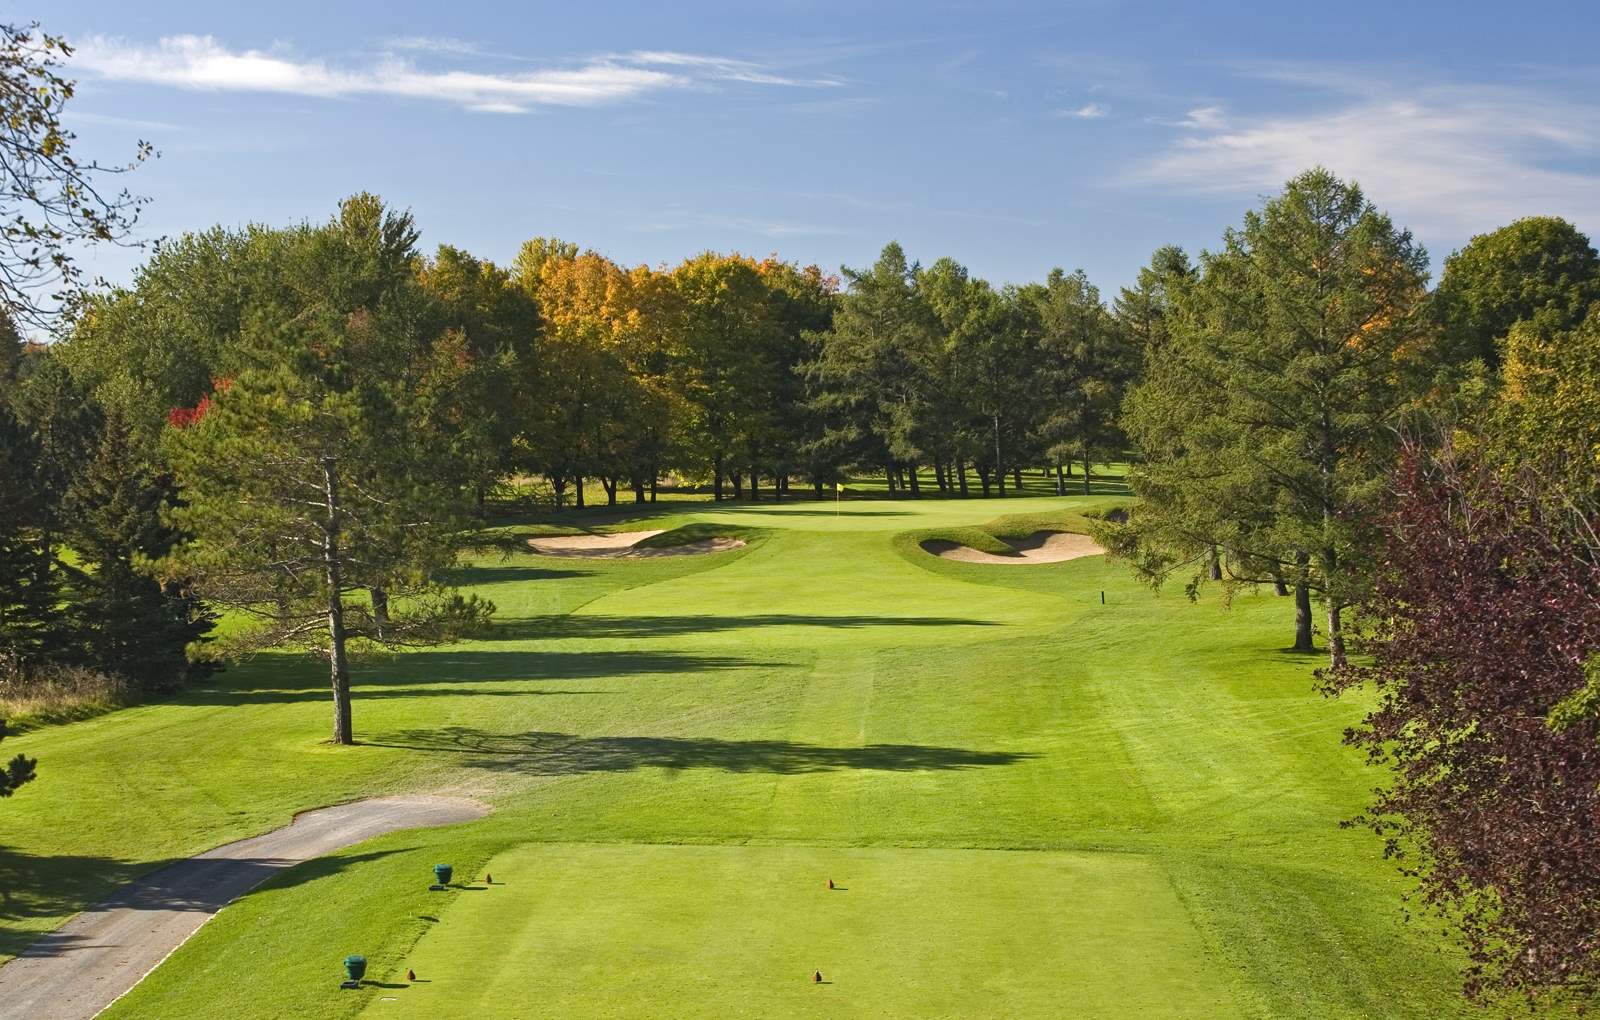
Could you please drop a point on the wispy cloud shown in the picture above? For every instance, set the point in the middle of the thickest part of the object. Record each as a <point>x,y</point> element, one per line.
<point>1088,111</point>
<point>431,44</point>
<point>75,116</point>
<point>1446,159</point>
<point>718,68</point>
<point>201,62</point>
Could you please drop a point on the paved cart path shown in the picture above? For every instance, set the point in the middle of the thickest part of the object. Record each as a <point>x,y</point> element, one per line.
<point>82,967</point>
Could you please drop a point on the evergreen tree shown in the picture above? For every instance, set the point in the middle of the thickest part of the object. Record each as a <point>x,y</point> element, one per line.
<point>313,504</point>
<point>1083,364</point>
<point>29,587</point>
<point>873,364</point>
<point>20,769</point>
<point>1271,420</point>
<point>128,622</point>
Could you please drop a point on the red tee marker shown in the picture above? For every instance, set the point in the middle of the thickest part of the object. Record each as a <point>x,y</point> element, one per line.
<point>816,978</point>
<point>830,883</point>
<point>488,879</point>
<point>411,975</point>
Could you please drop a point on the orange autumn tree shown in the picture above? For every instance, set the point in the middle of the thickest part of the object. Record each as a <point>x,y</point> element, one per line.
<point>605,408</point>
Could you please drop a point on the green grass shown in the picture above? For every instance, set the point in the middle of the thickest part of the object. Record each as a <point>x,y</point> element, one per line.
<point>1038,805</point>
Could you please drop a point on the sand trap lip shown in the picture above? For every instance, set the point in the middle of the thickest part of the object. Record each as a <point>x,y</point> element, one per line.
<point>625,544</point>
<point>1039,547</point>
<point>80,968</point>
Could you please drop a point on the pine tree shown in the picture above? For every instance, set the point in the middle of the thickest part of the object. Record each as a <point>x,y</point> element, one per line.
<point>20,769</point>
<point>129,622</point>
<point>308,486</point>
<point>29,588</point>
<point>1272,416</point>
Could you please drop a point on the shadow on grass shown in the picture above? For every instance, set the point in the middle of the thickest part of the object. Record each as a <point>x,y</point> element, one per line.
<point>785,511</point>
<point>559,754</point>
<point>397,677</point>
<point>472,577</point>
<point>46,887</point>
<point>600,626</point>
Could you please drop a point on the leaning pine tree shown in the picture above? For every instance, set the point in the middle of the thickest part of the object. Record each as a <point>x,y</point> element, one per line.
<point>312,520</point>
<point>313,508</point>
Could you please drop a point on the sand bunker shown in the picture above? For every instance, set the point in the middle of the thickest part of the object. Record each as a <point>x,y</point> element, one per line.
<point>1039,547</point>
<point>624,544</point>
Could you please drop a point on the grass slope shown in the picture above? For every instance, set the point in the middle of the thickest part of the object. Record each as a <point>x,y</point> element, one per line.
<point>1036,803</point>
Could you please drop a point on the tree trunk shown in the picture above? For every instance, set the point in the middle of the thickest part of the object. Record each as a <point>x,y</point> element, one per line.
<point>716,477</point>
<point>911,474</point>
<point>983,479</point>
<point>1279,588</point>
<point>609,482</point>
<point>1302,606</point>
<point>380,610</point>
<point>1061,481</point>
<point>1335,610</point>
<point>1016,476</point>
<point>889,474</point>
<point>559,484</point>
<point>577,491</point>
<point>1000,481</point>
<point>638,488</point>
<point>338,665</point>
<point>755,485</point>
<point>961,476</point>
<point>816,483</point>
<point>1086,474</point>
<point>999,464</point>
<point>738,484</point>
<point>654,476</point>
<point>1214,565</point>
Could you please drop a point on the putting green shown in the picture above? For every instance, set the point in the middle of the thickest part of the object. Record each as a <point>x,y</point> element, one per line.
<point>1040,805</point>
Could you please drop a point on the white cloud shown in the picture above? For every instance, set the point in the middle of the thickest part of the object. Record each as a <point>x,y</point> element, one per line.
<point>718,68</point>
<point>432,44</point>
<point>1088,111</point>
<point>201,62</point>
<point>1446,160</point>
<point>1206,118</point>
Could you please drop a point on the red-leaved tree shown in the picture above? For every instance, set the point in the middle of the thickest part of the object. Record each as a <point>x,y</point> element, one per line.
<point>1485,633</point>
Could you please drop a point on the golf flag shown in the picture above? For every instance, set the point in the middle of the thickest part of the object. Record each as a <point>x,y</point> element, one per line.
<point>838,486</point>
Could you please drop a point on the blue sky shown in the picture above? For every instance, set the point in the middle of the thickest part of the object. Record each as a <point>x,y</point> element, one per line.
<point>1011,136</point>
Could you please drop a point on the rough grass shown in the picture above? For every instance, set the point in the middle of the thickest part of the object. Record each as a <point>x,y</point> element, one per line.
<point>1038,805</point>
<point>60,694</point>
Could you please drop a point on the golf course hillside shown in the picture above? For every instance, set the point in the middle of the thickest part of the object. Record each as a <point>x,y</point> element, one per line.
<point>813,771</point>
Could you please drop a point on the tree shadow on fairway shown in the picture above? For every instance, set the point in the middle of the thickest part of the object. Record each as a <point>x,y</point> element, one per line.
<point>601,626</point>
<point>561,754</point>
<point>472,577</point>
<point>786,512</point>
<point>50,887</point>
<point>397,677</point>
<point>35,887</point>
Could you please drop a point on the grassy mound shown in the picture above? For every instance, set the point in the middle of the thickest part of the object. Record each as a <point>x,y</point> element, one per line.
<point>988,537</point>
<point>698,531</point>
